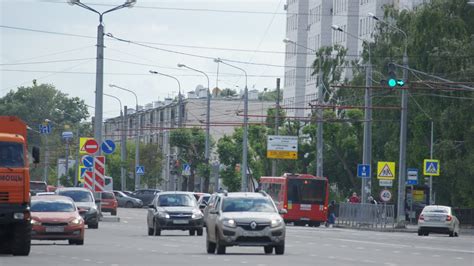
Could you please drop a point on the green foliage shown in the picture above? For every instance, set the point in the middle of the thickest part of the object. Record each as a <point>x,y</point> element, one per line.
<point>228,92</point>
<point>191,145</point>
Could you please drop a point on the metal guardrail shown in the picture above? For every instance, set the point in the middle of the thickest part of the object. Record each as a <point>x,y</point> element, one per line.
<point>366,215</point>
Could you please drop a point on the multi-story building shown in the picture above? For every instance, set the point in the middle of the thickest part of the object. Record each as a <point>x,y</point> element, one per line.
<point>155,122</point>
<point>309,26</point>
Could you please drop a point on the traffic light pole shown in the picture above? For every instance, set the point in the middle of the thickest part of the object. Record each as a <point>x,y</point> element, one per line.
<point>403,145</point>
<point>366,186</point>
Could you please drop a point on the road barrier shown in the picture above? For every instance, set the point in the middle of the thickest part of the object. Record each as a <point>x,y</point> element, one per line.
<point>366,215</point>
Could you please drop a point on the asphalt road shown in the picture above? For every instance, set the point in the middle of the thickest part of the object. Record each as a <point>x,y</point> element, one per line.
<point>127,243</point>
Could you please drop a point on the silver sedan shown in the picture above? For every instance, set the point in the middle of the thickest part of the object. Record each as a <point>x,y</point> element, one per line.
<point>438,219</point>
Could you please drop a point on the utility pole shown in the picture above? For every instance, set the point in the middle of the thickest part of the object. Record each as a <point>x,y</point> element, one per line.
<point>277,122</point>
<point>123,149</point>
<point>76,172</point>
<point>137,148</point>
<point>367,151</point>
<point>403,145</point>
<point>431,157</point>
<point>319,118</point>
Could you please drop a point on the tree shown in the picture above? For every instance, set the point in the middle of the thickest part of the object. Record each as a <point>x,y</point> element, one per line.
<point>228,92</point>
<point>191,142</point>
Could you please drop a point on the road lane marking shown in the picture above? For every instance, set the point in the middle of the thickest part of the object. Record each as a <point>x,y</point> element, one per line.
<point>396,251</point>
<point>459,258</point>
<point>360,248</point>
<point>403,246</point>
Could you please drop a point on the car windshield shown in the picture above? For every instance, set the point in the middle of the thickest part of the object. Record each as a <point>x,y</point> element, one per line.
<point>107,195</point>
<point>176,200</point>
<point>436,209</point>
<point>11,154</point>
<point>38,186</point>
<point>247,205</point>
<point>77,196</point>
<point>52,206</point>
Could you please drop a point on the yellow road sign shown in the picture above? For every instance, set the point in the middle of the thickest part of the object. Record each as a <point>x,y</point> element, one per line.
<point>82,142</point>
<point>291,155</point>
<point>386,170</point>
<point>431,167</point>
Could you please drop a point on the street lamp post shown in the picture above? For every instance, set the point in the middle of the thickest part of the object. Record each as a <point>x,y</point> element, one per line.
<point>403,130</point>
<point>137,137</point>
<point>208,115</point>
<point>172,181</point>
<point>243,170</point>
<point>319,113</point>
<point>99,90</point>
<point>122,144</point>
<point>366,185</point>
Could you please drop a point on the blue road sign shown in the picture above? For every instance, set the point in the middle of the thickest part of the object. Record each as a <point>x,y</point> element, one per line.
<point>45,128</point>
<point>140,170</point>
<point>363,170</point>
<point>108,146</point>
<point>88,161</point>
<point>412,176</point>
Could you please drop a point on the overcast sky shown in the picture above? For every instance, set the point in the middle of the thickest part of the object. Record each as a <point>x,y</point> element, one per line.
<point>164,24</point>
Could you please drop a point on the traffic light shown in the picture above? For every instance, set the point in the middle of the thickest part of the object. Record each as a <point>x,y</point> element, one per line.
<point>392,80</point>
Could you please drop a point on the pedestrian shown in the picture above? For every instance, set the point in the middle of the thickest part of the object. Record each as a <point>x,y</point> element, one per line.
<point>354,198</point>
<point>331,214</point>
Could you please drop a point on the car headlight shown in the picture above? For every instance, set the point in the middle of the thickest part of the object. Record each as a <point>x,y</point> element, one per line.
<point>163,215</point>
<point>275,222</point>
<point>76,221</point>
<point>35,222</point>
<point>229,223</point>
<point>197,214</point>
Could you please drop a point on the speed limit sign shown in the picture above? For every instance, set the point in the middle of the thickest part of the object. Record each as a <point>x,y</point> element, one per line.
<point>385,195</point>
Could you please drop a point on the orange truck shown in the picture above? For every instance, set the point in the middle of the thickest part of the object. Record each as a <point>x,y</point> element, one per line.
<point>15,221</point>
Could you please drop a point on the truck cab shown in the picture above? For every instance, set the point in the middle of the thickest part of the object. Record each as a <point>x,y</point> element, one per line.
<point>15,227</point>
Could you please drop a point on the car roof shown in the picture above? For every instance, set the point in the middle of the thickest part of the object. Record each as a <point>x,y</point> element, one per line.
<point>176,192</point>
<point>73,189</point>
<point>51,198</point>
<point>245,195</point>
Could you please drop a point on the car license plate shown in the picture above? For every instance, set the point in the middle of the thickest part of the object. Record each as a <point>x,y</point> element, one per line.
<point>250,233</point>
<point>55,229</point>
<point>180,221</point>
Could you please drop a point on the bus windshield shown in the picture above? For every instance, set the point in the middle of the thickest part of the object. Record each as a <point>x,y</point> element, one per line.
<point>306,191</point>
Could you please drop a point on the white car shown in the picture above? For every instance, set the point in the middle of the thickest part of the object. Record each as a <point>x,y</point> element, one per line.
<point>438,219</point>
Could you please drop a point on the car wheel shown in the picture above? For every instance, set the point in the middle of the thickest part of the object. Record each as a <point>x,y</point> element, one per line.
<point>220,248</point>
<point>210,246</point>
<point>199,231</point>
<point>156,230</point>
<point>280,249</point>
<point>426,233</point>
<point>114,213</point>
<point>76,242</point>
<point>22,242</point>
<point>150,231</point>
<point>192,232</point>
<point>420,233</point>
<point>456,234</point>
<point>129,204</point>
<point>451,234</point>
<point>93,226</point>
<point>268,249</point>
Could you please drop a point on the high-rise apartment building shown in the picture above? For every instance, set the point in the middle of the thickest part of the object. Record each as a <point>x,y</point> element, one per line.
<point>309,26</point>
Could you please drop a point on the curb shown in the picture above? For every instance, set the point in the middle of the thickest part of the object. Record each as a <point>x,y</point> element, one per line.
<point>467,231</point>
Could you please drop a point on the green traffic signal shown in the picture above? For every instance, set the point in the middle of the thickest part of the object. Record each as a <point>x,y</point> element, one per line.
<point>400,83</point>
<point>392,82</point>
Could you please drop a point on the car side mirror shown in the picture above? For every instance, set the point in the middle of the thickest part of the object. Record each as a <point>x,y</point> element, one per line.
<point>97,201</point>
<point>36,155</point>
<point>282,211</point>
<point>213,211</point>
<point>202,205</point>
<point>151,206</point>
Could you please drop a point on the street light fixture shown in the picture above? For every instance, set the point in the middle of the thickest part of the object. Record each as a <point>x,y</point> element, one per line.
<point>243,170</point>
<point>208,113</point>
<point>367,143</point>
<point>403,130</point>
<point>137,137</point>
<point>99,85</point>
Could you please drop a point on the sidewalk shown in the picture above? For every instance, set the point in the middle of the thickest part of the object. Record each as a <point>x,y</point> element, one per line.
<point>411,228</point>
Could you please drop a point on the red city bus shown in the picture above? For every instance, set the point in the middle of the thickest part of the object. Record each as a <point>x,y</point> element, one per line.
<point>304,196</point>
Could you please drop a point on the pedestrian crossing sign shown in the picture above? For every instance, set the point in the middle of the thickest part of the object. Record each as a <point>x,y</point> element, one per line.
<point>386,170</point>
<point>431,167</point>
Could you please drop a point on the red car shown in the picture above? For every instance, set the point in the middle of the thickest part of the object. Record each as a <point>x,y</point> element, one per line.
<point>56,218</point>
<point>109,203</point>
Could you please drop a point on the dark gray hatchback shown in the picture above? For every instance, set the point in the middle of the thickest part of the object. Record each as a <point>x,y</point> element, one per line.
<point>174,211</point>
